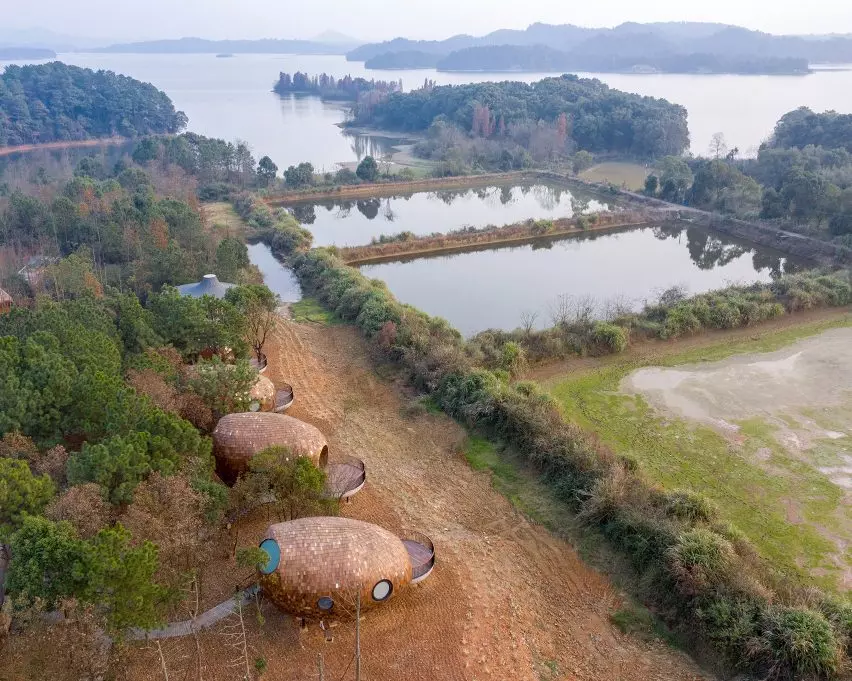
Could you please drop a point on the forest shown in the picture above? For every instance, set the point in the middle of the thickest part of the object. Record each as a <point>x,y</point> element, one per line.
<point>54,101</point>
<point>109,506</point>
<point>801,179</point>
<point>598,119</point>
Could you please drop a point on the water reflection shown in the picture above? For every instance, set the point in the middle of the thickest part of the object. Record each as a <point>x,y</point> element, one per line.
<point>492,288</point>
<point>355,222</point>
<point>277,277</point>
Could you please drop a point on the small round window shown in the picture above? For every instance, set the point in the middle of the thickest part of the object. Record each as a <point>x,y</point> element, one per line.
<point>382,590</point>
<point>273,556</point>
<point>325,604</point>
<point>254,405</point>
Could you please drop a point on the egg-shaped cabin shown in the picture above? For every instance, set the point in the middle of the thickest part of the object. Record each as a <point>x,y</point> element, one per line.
<point>238,437</point>
<point>317,566</point>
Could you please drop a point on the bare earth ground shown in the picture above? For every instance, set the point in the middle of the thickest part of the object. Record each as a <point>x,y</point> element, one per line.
<point>802,392</point>
<point>506,600</point>
<point>630,175</point>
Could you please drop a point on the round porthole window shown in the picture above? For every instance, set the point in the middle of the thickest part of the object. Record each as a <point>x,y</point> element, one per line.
<point>382,590</point>
<point>325,604</point>
<point>273,556</point>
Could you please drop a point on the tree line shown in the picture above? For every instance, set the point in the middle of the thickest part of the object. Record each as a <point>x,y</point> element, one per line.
<point>329,87</point>
<point>54,101</point>
<point>801,177</point>
<point>599,119</point>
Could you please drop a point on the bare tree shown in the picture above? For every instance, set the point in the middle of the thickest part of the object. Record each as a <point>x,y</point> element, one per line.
<point>528,320</point>
<point>718,145</point>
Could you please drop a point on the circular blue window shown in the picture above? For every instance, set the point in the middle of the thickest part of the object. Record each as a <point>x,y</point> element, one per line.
<point>273,556</point>
<point>325,604</point>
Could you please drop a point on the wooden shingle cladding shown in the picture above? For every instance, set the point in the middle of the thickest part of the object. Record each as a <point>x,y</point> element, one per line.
<point>238,437</point>
<point>333,558</point>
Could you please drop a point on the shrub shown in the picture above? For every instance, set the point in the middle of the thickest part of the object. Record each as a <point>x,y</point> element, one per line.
<point>689,505</point>
<point>611,337</point>
<point>798,643</point>
<point>700,559</point>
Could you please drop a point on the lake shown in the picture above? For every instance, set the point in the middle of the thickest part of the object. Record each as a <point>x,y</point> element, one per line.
<point>233,99</point>
<point>357,222</point>
<point>493,288</point>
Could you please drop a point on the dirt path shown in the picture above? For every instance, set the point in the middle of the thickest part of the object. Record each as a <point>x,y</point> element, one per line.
<point>71,144</point>
<point>507,600</point>
<point>643,350</point>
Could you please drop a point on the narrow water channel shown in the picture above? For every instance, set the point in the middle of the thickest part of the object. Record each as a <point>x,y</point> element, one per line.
<point>277,277</point>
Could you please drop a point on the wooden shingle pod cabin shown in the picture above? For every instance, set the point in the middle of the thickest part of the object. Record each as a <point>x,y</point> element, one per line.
<point>238,437</point>
<point>316,567</point>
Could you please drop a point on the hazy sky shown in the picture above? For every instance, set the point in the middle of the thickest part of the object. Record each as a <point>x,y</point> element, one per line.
<point>380,19</point>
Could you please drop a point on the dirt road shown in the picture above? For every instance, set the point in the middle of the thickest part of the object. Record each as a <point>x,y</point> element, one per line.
<point>506,601</point>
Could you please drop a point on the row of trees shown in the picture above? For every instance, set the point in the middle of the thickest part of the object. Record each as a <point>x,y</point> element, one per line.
<point>807,188</point>
<point>596,117</point>
<point>329,87</point>
<point>54,101</point>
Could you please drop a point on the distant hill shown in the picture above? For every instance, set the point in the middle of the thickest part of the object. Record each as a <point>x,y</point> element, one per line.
<point>719,45</point>
<point>539,58</point>
<point>203,46</point>
<point>44,38</point>
<point>411,59</point>
<point>9,53</point>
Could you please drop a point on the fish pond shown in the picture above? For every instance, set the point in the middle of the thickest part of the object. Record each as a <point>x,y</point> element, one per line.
<point>358,222</point>
<point>496,288</point>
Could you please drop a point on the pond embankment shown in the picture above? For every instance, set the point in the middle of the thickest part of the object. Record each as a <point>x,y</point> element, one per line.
<point>361,191</point>
<point>530,231</point>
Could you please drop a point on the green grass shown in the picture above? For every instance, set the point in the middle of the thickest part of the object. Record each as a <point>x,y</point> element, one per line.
<point>310,310</point>
<point>635,619</point>
<point>518,483</point>
<point>753,495</point>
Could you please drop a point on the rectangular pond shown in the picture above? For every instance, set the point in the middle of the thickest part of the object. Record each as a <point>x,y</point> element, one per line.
<point>494,288</point>
<point>358,222</point>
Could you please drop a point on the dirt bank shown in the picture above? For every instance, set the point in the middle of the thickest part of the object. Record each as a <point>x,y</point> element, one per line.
<point>509,235</point>
<point>71,144</point>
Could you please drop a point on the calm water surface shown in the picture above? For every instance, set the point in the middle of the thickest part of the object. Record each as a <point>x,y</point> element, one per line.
<point>232,99</point>
<point>277,277</point>
<point>353,223</point>
<point>493,288</point>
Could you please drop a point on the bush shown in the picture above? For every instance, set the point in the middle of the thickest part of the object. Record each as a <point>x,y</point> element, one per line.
<point>690,506</point>
<point>798,643</point>
<point>700,559</point>
<point>611,337</point>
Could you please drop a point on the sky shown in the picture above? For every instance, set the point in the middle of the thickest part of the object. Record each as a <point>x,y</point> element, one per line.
<point>382,19</point>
